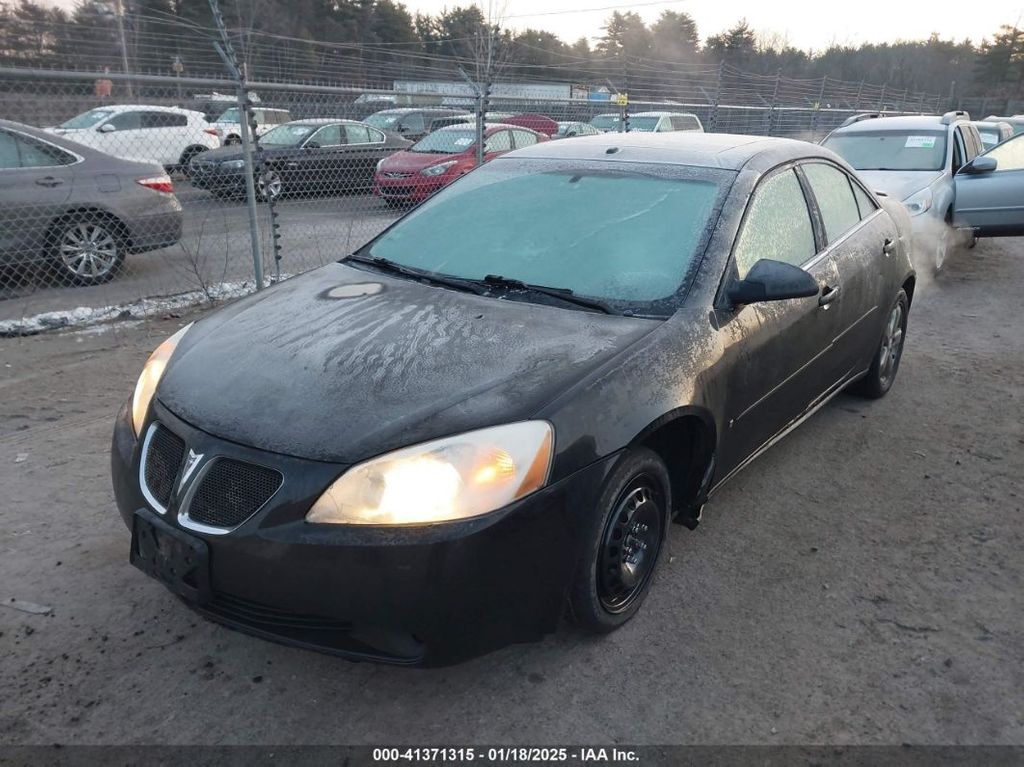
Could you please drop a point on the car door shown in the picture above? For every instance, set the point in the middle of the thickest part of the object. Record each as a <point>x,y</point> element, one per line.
<point>366,147</point>
<point>521,138</point>
<point>784,345</point>
<point>859,240</point>
<point>121,136</point>
<point>320,165</point>
<point>36,179</point>
<point>163,136</point>
<point>990,191</point>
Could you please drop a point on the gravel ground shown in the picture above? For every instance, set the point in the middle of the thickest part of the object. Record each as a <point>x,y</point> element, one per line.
<point>861,583</point>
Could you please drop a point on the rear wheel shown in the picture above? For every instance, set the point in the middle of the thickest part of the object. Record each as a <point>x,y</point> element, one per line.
<point>623,543</point>
<point>232,140</point>
<point>886,362</point>
<point>87,250</point>
<point>269,185</point>
<point>185,163</point>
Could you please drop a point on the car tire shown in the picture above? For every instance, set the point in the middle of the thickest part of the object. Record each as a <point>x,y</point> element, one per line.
<point>886,361</point>
<point>87,249</point>
<point>622,544</point>
<point>232,140</point>
<point>184,164</point>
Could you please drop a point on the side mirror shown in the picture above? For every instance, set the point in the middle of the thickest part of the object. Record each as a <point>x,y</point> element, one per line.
<point>106,128</point>
<point>770,280</point>
<point>981,164</point>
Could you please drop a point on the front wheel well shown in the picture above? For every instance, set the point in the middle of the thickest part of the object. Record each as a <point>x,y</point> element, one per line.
<point>686,444</point>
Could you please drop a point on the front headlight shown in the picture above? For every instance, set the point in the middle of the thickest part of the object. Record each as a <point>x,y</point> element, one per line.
<point>437,170</point>
<point>233,165</point>
<point>919,202</point>
<point>380,163</point>
<point>150,377</point>
<point>444,480</point>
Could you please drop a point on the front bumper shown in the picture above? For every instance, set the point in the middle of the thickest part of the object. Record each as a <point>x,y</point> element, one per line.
<point>415,188</point>
<point>213,177</point>
<point>428,595</point>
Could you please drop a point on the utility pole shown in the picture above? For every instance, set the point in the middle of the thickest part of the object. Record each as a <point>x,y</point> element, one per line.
<point>123,41</point>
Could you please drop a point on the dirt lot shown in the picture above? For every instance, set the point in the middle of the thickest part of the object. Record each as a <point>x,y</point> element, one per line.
<point>862,583</point>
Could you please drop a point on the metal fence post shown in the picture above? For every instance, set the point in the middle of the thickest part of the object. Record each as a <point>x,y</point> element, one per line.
<point>774,103</point>
<point>713,117</point>
<point>227,54</point>
<point>881,99</point>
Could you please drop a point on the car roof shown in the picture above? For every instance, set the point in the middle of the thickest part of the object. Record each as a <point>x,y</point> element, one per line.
<point>407,110</point>
<point>147,107</point>
<point>324,121</point>
<point>716,150</point>
<point>901,123</point>
<point>662,114</point>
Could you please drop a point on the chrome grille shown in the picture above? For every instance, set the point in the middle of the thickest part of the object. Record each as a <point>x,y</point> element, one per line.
<point>164,455</point>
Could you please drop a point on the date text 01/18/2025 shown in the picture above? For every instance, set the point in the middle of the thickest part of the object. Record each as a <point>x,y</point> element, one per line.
<point>504,754</point>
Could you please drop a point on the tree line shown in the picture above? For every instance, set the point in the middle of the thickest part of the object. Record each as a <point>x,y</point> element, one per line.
<point>371,42</point>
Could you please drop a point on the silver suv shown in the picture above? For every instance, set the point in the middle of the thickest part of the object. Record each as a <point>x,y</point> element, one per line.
<point>649,122</point>
<point>913,159</point>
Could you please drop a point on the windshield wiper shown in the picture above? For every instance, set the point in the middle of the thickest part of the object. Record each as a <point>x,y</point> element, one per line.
<point>563,294</point>
<point>393,267</point>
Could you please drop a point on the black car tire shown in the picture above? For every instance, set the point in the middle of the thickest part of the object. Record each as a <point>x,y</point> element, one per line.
<point>619,558</point>
<point>886,361</point>
<point>98,265</point>
<point>266,183</point>
<point>186,159</point>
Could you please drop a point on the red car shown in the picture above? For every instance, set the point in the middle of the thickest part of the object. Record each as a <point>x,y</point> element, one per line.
<point>439,158</point>
<point>540,123</point>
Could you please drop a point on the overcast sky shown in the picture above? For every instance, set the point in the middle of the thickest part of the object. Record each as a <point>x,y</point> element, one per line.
<point>807,25</point>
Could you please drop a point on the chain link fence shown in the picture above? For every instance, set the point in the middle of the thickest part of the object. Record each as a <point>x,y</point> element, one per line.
<point>119,206</point>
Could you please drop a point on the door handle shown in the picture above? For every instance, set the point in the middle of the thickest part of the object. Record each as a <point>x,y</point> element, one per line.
<point>49,181</point>
<point>828,295</point>
<point>889,246</point>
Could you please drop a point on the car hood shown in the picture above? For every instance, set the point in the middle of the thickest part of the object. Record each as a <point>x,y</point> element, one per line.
<point>898,184</point>
<point>341,364</point>
<point>411,162</point>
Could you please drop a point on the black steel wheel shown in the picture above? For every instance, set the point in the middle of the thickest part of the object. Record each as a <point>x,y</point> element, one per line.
<point>623,543</point>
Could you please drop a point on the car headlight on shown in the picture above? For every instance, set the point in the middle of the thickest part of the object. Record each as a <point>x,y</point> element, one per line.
<point>233,165</point>
<point>919,202</point>
<point>437,170</point>
<point>444,480</point>
<point>150,377</point>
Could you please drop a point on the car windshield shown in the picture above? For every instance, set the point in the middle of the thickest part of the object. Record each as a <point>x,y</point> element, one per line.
<point>643,124</point>
<point>891,149</point>
<point>382,120</point>
<point>87,119</point>
<point>291,134</point>
<point>628,235</point>
<point>229,116</point>
<point>445,142</point>
<point>606,122</point>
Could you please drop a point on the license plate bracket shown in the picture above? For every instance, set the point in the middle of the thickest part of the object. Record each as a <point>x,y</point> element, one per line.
<point>179,561</point>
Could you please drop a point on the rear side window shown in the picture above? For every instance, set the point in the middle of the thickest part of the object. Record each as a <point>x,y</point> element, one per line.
<point>163,120</point>
<point>835,199</point>
<point>329,135</point>
<point>498,142</point>
<point>357,134</point>
<point>524,138</point>
<point>777,225</point>
<point>865,205</point>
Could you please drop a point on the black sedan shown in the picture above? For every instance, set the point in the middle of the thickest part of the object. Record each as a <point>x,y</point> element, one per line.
<point>313,156</point>
<point>495,409</point>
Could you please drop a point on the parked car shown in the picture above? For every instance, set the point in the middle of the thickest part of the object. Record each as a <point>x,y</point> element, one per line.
<point>913,159</point>
<point>438,159</point>
<point>993,132</point>
<point>409,122</point>
<point>1016,122</point>
<point>648,122</point>
<point>229,125</point>
<point>494,410</point>
<point>466,119</point>
<point>213,105</point>
<point>167,135</point>
<point>573,129</point>
<point>75,211</point>
<point>319,156</point>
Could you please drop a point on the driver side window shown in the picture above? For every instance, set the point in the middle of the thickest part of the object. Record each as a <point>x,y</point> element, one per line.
<point>1009,155</point>
<point>777,225</point>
